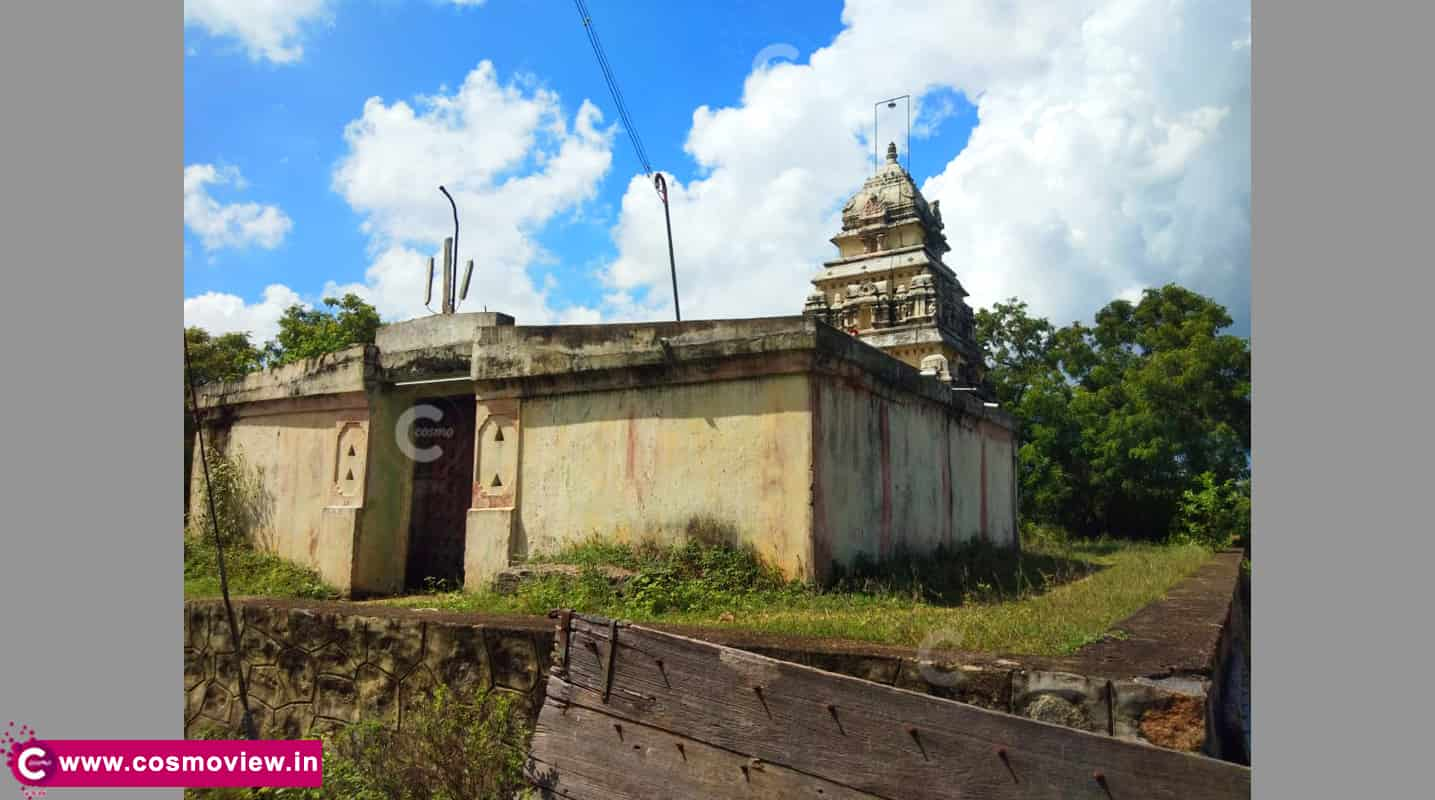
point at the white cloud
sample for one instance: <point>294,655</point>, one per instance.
<point>1112,151</point>
<point>271,30</point>
<point>220,225</point>
<point>511,158</point>
<point>219,313</point>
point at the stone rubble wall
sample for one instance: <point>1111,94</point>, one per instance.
<point>314,670</point>
<point>1229,710</point>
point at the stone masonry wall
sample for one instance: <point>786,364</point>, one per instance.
<point>317,666</point>
<point>313,669</point>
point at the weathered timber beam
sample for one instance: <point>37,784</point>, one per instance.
<point>879,740</point>
<point>582,753</point>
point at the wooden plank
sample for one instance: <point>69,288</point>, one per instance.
<point>880,740</point>
<point>582,753</point>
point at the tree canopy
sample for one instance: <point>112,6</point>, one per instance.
<point>303,333</point>
<point>306,333</point>
<point>1121,418</point>
<point>224,357</point>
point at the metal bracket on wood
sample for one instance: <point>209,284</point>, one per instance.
<point>612,653</point>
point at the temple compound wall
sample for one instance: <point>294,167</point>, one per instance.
<point>460,444</point>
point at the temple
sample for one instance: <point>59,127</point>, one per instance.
<point>457,446</point>
<point>889,287</point>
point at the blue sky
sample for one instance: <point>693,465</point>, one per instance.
<point>1106,160</point>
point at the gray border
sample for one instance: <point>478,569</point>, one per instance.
<point>1341,428</point>
<point>90,576</point>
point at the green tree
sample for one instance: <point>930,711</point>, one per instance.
<point>1016,346</point>
<point>1121,418</point>
<point>226,357</point>
<point>306,333</point>
<point>1214,513</point>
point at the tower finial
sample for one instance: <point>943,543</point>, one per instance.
<point>891,152</point>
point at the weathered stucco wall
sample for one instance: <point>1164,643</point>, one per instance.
<point>995,453</point>
<point>898,472</point>
<point>292,448</point>
<point>729,457</point>
<point>304,429</point>
<point>882,478</point>
<point>381,550</point>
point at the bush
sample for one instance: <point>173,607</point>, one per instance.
<point>238,493</point>
<point>1213,513</point>
<point>453,747</point>
<point>239,507</point>
<point>688,577</point>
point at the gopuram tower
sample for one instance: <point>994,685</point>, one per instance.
<point>889,287</point>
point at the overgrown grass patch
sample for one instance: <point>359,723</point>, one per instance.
<point>1051,599</point>
<point>452,747</point>
<point>235,493</point>
<point>250,572</point>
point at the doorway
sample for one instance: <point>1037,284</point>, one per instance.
<point>443,432</point>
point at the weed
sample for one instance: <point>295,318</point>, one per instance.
<point>1054,596</point>
<point>453,747</point>
<point>240,510</point>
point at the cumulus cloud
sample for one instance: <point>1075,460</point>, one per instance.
<point>513,161</point>
<point>219,225</point>
<point>269,30</point>
<point>218,312</point>
<point>1112,151</point>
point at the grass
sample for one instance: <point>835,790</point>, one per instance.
<point>452,747</point>
<point>250,572</point>
<point>1053,598</point>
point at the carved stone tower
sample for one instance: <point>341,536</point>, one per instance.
<point>889,287</point>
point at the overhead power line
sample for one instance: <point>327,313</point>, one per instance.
<point>660,183</point>
<point>614,89</point>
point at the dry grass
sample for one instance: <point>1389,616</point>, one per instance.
<point>1055,597</point>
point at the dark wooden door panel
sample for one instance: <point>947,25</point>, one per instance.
<point>443,490</point>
